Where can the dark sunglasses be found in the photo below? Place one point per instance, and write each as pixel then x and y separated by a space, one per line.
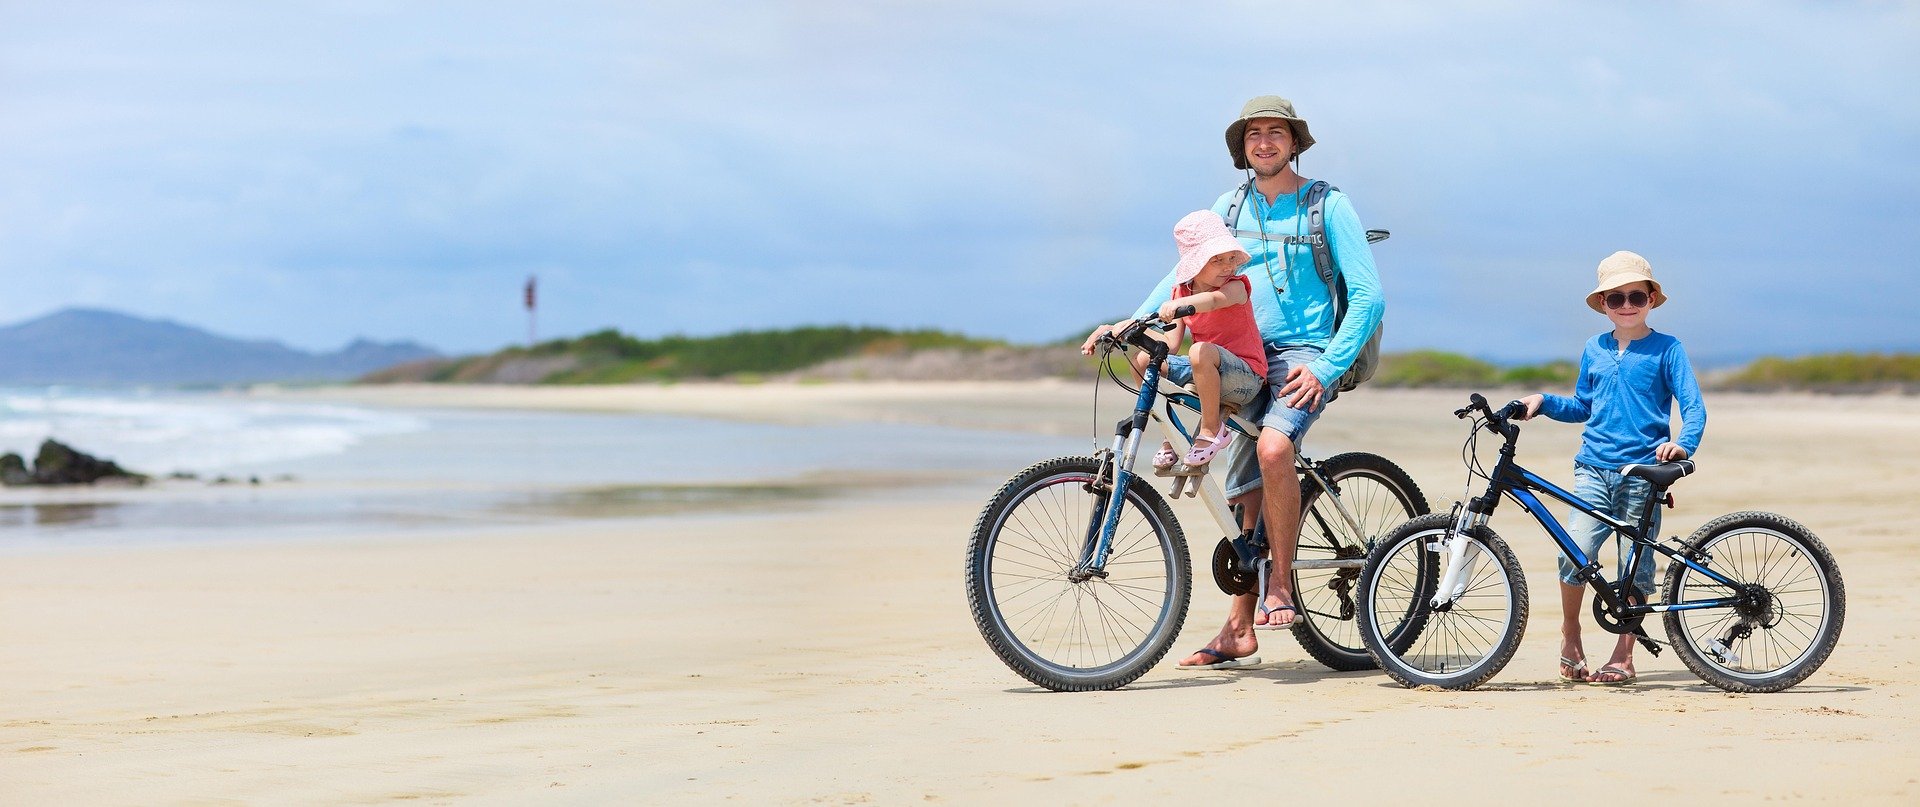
pixel 1637 299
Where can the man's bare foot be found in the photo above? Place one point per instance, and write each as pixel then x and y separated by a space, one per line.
pixel 1227 644
pixel 1615 674
pixel 1573 660
pixel 1278 611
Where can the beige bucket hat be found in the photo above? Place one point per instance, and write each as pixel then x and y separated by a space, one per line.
pixel 1618 270
pixel 1266 106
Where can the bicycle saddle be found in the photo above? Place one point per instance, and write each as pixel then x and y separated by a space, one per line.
pixel 1663 475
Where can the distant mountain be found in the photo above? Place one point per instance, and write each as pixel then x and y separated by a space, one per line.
pixel 106 348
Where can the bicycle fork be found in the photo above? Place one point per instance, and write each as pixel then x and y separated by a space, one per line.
pixel 1462 559
pixel 1126 446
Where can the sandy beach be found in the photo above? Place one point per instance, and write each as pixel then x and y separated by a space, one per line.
pixel 824 653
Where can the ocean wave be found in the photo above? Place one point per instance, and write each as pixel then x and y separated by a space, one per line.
pixel 159 432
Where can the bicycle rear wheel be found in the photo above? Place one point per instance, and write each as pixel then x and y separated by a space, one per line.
pixel 1373 496
pixel 1101 633
pixel 1468 639
pixel 1793 603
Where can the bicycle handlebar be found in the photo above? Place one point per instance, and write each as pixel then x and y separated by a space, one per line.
pixel 1500 420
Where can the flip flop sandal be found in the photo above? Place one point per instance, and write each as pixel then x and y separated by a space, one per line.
pixel 1579 669
pixel 1269 612
pixel 1164 459
pixel 1595 680
pixel 1198 455
pixel 1225 662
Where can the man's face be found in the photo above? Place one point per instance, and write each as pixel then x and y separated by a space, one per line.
pixel 1269 145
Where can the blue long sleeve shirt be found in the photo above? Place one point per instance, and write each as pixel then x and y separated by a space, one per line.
pixel 1291 304
pixel 1624 399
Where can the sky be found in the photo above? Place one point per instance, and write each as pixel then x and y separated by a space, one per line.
pixel 318 172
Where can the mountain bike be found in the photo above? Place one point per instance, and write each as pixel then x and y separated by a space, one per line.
pixel 1752 601
pixel 1078 574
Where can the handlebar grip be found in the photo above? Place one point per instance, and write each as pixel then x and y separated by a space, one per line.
pixel 1183 312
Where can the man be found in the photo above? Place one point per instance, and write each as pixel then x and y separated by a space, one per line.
pixel 1306 354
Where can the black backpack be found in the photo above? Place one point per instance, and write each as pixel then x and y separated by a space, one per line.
pixel 1315 201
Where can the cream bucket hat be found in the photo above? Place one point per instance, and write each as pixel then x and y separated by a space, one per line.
pixel 1618 270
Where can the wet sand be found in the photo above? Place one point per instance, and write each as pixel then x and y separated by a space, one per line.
pixel 824 653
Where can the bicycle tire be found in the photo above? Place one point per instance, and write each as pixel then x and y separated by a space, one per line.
pixel 1442 632
pixel 1328 628
pixel 1688 630
pixel 1060 660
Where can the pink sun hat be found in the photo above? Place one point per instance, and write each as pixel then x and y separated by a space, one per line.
pixel 1201 235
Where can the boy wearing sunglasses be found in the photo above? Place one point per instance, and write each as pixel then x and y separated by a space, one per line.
pixel 1629 379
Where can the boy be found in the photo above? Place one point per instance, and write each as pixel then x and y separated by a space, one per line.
pixel 1629 379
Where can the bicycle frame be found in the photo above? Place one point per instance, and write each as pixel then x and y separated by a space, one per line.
pixel 1514 481
pixel 1128 434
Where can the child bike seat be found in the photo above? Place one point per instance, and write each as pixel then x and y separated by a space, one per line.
pixel 1663 475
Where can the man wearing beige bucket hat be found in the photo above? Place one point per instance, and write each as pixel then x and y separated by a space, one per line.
pixel 1312 331
pixel 1629 380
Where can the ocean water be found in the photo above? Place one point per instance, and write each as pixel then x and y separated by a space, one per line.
pixel 324 467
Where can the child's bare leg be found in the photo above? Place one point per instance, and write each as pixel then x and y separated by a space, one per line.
pixel 1206 384
pixel 1622 658
pixel 1139 361
pixel 1571 598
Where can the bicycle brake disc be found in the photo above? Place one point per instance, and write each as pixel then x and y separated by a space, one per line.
pixel 1227 573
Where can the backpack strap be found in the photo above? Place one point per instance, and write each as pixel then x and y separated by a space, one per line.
pixel 1315 202
pixel 1239 201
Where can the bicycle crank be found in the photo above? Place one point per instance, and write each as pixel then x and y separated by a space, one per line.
pixel 1230 573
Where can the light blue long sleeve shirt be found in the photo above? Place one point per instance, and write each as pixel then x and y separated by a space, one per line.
pixel 1291 304
pixel 1624 400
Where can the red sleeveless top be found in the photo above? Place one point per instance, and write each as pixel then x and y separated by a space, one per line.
pixel 1232 328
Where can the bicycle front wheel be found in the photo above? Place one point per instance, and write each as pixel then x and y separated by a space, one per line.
pixel 1370 496
pixel 1063 634
pixel 1792 603
pixel 1470 636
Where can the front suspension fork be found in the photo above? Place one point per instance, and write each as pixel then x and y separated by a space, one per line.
pixel 1462 559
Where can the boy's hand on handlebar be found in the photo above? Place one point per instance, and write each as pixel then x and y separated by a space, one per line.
pixel 1533 403
pixel 1668 452
pixel 1303 389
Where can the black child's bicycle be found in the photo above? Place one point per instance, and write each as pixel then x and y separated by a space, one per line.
pixel 1752 601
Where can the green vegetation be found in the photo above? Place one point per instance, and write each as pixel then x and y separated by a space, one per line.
pixel 757 356
pixel 1830 371
pixel 1554 374
pixel 1435 368
pixel 607 357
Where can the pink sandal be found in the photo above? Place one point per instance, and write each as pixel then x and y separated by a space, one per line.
pixel 1165 459
pixel 1198 456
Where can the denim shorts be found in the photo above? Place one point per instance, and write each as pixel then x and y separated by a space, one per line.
pixel 1272 412
pixel 1238 384
pixel 1618 496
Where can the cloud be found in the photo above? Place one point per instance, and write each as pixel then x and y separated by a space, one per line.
pixel 1009 170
